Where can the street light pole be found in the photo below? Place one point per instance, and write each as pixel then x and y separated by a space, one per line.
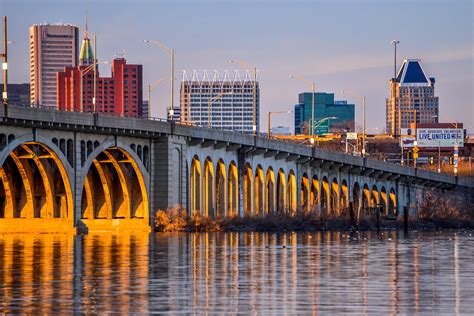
pixel 312 109
pixel 5 66
pixel 209 107
pixel 312 86
pixel 363 117
pixel 456 152
pixel 170 51
pixel 172 86
pixel 363 126
pixel 95 75
pixel 85 71
pixel 395 43
pixel 150 88
pixel 247 67
pixel 456 144
pixel 254 127
pixel 439 156
pixel 415 143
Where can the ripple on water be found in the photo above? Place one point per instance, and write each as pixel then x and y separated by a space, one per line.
pixel 264 273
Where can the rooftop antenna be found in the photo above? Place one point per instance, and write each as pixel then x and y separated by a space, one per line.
pixel 86 33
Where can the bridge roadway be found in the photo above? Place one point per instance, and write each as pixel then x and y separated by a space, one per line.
pixel 64 171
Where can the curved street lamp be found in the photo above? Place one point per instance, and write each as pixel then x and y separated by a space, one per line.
pixel 312 86
pixel 169 51
pixel 454 123
pixel 150 88
pixel 5 64
pixel 362 98
pixel 209 106
pixel 86 70
pixel 246 66
pixel 319 122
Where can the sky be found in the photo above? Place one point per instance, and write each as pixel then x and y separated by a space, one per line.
pixel 338 44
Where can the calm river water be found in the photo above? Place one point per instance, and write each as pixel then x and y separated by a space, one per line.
pixel 263 273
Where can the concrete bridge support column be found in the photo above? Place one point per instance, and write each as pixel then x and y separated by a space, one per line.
pixel 168 169
pixel 401 198
pixel 299 179
pixel 240 183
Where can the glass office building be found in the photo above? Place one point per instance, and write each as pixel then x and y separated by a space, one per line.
pixel 324 106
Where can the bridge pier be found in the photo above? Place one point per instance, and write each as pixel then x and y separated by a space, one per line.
pixel 168 165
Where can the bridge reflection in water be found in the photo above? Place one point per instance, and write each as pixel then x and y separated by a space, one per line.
pixel 236 272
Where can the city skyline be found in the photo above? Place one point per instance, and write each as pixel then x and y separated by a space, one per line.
pixel 345 58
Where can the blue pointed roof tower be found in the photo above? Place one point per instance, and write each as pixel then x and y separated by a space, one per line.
pixel 411 73
pixel 86 56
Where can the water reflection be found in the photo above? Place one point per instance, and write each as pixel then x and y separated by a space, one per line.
pixel 237 273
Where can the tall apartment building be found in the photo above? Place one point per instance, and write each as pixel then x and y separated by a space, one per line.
pixel 232 101
pixel 411 92
pixel 325 106
pixel 121 94
pixel 52 47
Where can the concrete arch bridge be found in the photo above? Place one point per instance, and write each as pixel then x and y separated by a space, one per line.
pixel 63 171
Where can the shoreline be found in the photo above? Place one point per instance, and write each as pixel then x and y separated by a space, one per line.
pixel 178 221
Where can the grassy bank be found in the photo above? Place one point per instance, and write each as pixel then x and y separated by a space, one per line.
pixel 176 219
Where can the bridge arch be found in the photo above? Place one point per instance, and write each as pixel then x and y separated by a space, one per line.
pixel 325 197
pixel 356 197
pixel 291 198
pixel 281 192
pixel 233 190
pixel 209 187
pixel 344 199
pixel 315 192
pixel 195 181
pixel 221 194
pixel 35 180
pixel 248 184
pixel 383 200
pixel 259 190
pixel 114 184
pixel 305 191
pixel 334 196
pixel 392 202
pixel 365 199
pixel 374 196
pixel 270 191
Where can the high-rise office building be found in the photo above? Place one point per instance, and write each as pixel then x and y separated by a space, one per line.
pixel 411 92
pixel 231 101
pixel 120 94
pixel 52 47
pixel 341 114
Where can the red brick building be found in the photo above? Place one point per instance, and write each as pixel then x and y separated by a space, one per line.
pixel 121 94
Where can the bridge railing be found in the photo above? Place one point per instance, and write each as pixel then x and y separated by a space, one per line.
pixel 160 125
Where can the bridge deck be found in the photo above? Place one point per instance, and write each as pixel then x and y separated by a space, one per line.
pixel 109 124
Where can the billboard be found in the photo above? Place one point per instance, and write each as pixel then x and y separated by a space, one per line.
pixel 431 137
pixel 351 135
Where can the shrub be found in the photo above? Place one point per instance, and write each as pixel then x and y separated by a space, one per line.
pixel 173 219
